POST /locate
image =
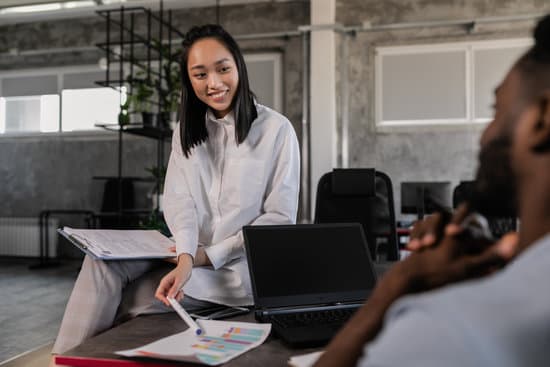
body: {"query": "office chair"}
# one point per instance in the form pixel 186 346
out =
pixel 363 196
pixel 111 216
pixel 499 226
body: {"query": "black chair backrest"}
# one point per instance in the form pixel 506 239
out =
pixel 359 195
pixel 114 196
pixel 111 194
pixel 498 225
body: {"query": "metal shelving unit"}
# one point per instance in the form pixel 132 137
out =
pixel 131 48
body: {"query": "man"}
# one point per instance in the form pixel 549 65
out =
pixel 503 318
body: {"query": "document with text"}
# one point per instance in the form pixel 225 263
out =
pixel 220 342
pixel 120 244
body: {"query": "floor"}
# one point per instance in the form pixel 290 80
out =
pixel 39 357
pixel 32 303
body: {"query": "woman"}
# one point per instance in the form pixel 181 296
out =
pixel 233 163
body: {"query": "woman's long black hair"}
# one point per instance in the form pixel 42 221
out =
pixel 192 110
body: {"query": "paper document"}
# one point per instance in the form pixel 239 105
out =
pixel 115 244
pixel 220 342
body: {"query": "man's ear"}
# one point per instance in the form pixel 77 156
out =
pixel 541 132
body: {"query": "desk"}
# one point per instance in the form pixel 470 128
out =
pixel 148 328
pixel 98 351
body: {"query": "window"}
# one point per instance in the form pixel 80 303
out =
pixel 84 108
pixel 265 75
pixel 52 100
pixel 441 84
pixel 29 113
pixel 490 63
pixel 64 100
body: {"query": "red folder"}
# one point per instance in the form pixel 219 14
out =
pixel 114 362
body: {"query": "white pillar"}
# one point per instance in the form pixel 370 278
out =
pixel 323 92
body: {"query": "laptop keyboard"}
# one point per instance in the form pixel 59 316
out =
pixel 321 317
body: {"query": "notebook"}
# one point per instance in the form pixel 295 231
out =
pixel 308 279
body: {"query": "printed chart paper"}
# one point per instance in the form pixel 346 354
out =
pixel 118 244
pixel 220 342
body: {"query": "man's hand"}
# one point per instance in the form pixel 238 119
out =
pixel 172 283
pixel 454 258
pixel 428 232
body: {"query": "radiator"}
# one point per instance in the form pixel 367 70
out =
pixel 21 237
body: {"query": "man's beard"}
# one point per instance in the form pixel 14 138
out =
pixel 494 193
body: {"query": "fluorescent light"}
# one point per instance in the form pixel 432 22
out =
pixel 109 2
pixel 78 4
pixel 31 8
pixel 54 6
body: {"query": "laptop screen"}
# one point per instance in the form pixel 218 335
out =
pixel 308 264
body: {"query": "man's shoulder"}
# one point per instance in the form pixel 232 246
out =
pixel 499 317
pixel 520 278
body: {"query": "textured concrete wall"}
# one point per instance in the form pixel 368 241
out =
pixel 429 153
pixel 56 172
pixel 393 11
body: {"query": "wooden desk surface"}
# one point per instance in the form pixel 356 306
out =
pixel 148 328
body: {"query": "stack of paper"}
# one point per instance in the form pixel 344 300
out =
pixel 220 342
pixel 116 244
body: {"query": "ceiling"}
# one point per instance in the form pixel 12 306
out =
pixel 19 11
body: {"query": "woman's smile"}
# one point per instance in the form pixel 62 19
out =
pixel 218 96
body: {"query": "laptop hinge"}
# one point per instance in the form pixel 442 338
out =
pixel 306 308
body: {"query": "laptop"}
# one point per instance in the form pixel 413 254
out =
pixel 308 279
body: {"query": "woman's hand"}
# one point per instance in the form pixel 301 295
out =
pixel 172 283
pixel 201 258
pixel 173 260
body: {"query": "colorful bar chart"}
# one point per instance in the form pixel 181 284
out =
pixel 211 349
pixel 222 341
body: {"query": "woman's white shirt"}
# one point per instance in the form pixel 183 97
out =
pixel 220 188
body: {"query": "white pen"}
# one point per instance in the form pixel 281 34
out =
pixel 184 315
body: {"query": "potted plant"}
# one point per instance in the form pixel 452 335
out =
pixel 156 192
pixel 123 115
pixel 156 221
pixel 169 88
pixel 140 99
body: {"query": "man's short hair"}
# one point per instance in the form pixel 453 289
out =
pixel 535 64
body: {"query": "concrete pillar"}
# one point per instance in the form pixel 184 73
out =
pixel 323 92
